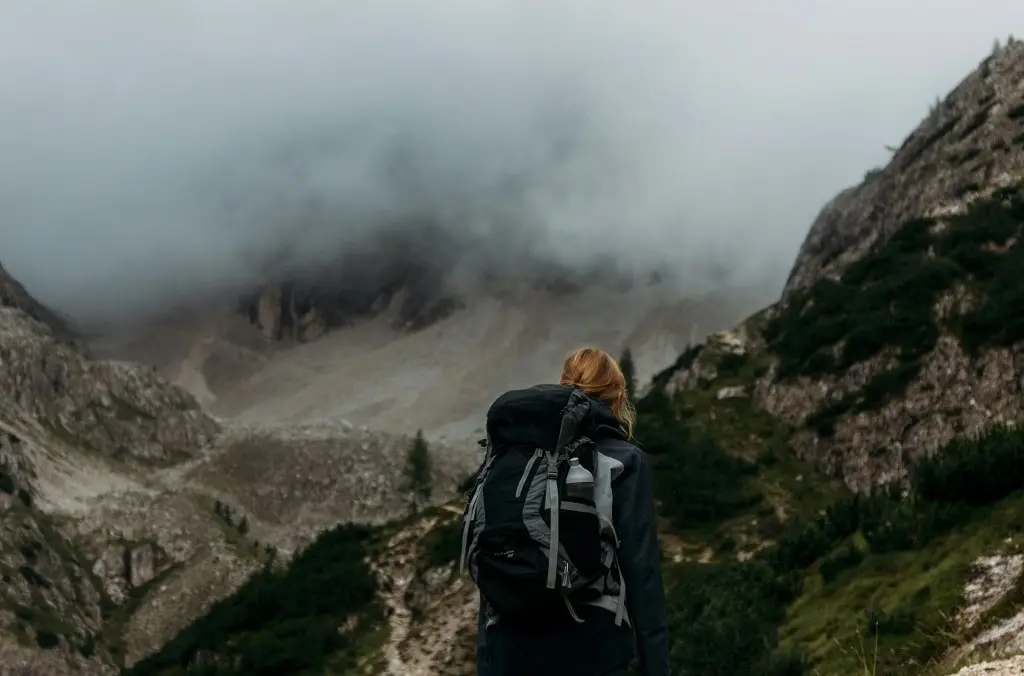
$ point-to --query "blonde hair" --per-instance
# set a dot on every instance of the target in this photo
(598, 374)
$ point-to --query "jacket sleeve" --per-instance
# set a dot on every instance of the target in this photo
(640, 564)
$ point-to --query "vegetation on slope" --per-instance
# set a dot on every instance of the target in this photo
(844, 577)
(772, 571)
(887, 567)
(885, 303)
(725, 474)
(282, 622)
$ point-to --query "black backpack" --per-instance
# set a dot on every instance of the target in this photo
(534, 488)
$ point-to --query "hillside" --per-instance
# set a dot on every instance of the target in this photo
(123, 514)
(839, 476)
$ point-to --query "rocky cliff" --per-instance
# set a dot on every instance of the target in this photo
(126, 510)
(14, 295)
(897, 329)
(969, 143)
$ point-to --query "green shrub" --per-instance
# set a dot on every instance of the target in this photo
(47, 640)
(845, 558)
(442, 544)
(975, 471)
(900, 622)
(724, 618)
(730, 364)
(715, 606)
(698, 483)
(279, 622)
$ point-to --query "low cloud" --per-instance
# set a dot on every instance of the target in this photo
(163, 151)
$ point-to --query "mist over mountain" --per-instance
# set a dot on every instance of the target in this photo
(172, 151)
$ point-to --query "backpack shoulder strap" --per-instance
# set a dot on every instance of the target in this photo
(467, 517)
(576, 409)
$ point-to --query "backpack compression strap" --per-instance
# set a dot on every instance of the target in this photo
(576, 409)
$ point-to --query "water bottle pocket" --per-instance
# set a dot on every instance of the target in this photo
(581, 535)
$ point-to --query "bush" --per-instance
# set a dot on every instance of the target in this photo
(746, 601)
(279, 622)
(47, 640)
(724, 618)
(442, 544)
(697, 483)
(978, 471)
(845, 558)
(900, 622)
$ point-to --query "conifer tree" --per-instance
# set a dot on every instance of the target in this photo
(629, 371)
(418, 472)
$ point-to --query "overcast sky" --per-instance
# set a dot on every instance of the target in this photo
(157, 145)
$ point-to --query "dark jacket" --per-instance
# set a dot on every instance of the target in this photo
(597, 647)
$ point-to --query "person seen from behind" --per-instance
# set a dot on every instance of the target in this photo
(560, 468)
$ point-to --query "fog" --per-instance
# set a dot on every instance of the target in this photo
(160, 150)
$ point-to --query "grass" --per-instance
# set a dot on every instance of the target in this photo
(900, 601)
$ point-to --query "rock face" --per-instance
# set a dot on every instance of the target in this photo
(14, 295)
(115, 408)
(896, 329)
(126, 511)
(969, 141)
(304, 314)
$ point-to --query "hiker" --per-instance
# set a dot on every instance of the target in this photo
(560, 467)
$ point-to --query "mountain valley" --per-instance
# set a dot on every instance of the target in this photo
(840, 475)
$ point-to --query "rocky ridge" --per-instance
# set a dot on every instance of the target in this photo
(894, 332)
(122, 515)
(970, 142)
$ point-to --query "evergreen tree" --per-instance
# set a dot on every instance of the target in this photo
(243, 525)
(629, 371)
(418, 472)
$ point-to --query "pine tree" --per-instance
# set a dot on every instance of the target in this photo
(243, 525)
(418, 472)
(629, 371)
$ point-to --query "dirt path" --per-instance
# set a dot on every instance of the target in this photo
(395, 570)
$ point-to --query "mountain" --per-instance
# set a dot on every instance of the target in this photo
(838, 476)
(440, 377)
(126, 510)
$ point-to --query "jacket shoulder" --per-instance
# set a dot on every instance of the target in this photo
(628, 454)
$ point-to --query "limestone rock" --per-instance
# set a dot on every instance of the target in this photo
(116, 408)
(269, 310)
(967, 142)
